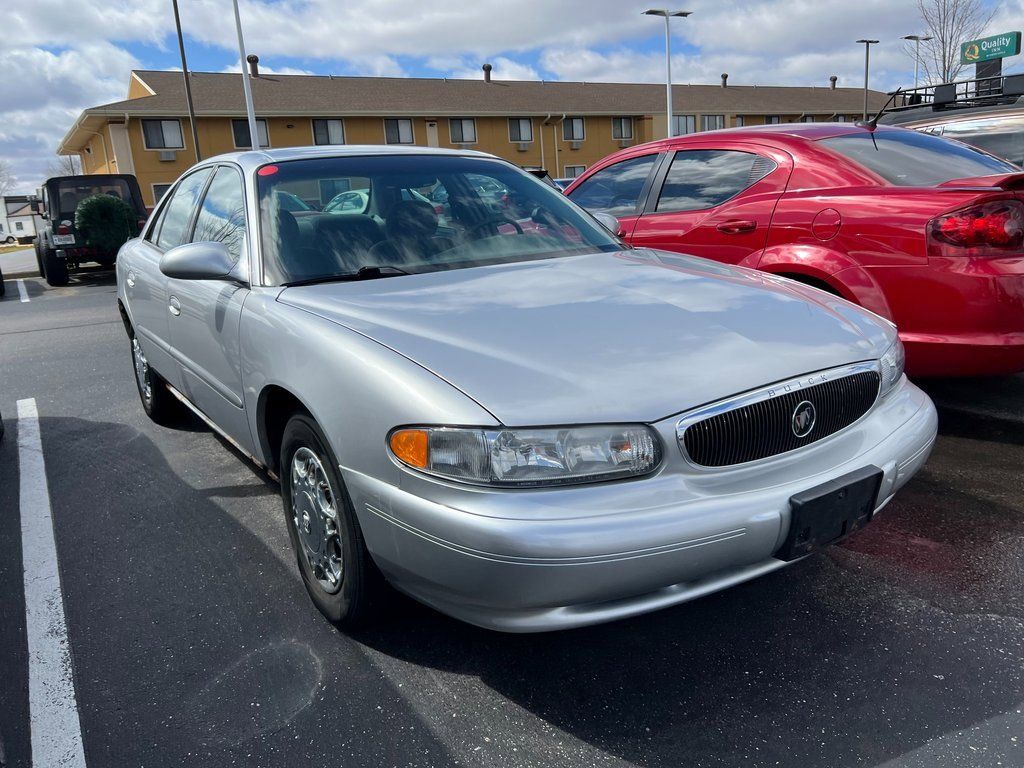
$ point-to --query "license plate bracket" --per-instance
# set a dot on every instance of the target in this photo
(63, 239)
(827, 513)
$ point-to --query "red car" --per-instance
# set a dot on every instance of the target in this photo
(924, 231)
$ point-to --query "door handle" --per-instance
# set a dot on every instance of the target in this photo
(174, 306)
(130, 279)
(737, 227)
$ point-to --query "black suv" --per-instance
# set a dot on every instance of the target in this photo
(987, 113)
(60, 247)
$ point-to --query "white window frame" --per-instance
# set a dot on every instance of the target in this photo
(161, 120)
(773, 119)
(19, 226)
(520, 120)
(739, 121)
(568, 175)
(328, 120)
(158, 197)
(583, 130)
(462, 124)
(687, 119)
(412, 130)
(620, 122)
(259, 121)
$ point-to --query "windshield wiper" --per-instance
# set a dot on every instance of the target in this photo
(363, 273)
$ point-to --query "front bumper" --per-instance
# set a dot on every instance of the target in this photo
(528, 561)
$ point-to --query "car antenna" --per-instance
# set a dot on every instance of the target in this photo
(873, 122)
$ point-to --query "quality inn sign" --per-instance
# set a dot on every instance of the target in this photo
(989, 48)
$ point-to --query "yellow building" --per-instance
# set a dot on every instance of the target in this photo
(560, 126)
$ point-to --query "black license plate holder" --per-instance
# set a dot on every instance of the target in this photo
(827, 513)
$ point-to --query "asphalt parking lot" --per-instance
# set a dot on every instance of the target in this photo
(192, 641)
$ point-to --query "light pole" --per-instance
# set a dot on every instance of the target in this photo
(254, 136)
(668, 57)
(867, 63)
(188, 86)
(918, 39)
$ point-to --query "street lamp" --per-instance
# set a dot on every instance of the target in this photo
(668, 56)
(867, 62)
(918, 39)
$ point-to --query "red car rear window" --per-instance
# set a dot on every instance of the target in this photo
(913, 159)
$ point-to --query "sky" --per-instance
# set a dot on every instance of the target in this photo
(58, 57)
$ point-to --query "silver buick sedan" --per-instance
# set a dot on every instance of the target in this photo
(491, 403)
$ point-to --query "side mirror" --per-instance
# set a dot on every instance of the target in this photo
(34, 204)
(610, 223)
(199, 261)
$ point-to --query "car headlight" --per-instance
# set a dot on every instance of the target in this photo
(529, 457)
(892, 366)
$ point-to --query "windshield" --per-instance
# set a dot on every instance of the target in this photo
(913, 159)
(412, 213)
(71, 192)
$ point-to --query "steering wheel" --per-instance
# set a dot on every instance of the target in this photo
(495, 222)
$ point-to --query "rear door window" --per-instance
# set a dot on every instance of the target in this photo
(178, 210)
(914, 159)
(617, 188)
(704, 178)
(222, 216)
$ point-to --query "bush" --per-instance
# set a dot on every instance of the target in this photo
(105, 222)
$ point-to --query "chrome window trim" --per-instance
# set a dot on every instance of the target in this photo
(767, 393)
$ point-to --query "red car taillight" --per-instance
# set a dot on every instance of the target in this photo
(992, 230)
(62, 230)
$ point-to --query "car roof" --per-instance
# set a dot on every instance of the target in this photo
(252, 159)
(787, 134)
(927, 115)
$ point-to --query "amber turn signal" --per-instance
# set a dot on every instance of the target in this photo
(410, 446)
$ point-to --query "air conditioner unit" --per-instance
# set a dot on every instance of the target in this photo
(575, 144)
(167, 155)
(522, 146)
(625, 142)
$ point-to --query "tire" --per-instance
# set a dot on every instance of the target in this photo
(10, 240)
(3, 288)
(39, 259)
(56, 269)
(353, 599)
(157, 401)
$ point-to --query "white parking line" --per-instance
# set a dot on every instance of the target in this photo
(53, 708)
(21, 291)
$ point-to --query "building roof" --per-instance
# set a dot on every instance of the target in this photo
(217, 93)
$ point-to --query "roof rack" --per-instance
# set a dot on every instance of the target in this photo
(979, 92)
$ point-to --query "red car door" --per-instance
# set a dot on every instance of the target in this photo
(619, 188)
(714, 201)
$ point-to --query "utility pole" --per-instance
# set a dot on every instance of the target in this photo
(668, 58)
(867, 64)
(254, 137)
(188, 84)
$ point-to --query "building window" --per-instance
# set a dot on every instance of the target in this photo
(807, 119)
(572, 171)
(19, 226)
(773, 120)
(328, 132)
(240, 129)
(162, 134)
(712, 122)
(463, 130)
(840, 118)
(159, 190)
(738, 121)
(622, 127)
(572, 130)
(398, 131)
(683, 124)
(520, 129)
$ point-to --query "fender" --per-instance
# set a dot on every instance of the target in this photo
(827, 265)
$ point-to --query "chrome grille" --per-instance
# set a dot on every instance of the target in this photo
(761, 425)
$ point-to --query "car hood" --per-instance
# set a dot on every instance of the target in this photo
(605, 337)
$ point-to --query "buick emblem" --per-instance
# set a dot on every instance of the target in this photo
(804, 417)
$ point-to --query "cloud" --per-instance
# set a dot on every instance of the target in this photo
(503, 68)
(43, 93)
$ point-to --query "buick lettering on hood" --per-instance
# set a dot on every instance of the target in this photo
(471, 390)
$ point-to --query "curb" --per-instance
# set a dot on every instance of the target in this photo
(19, 275)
